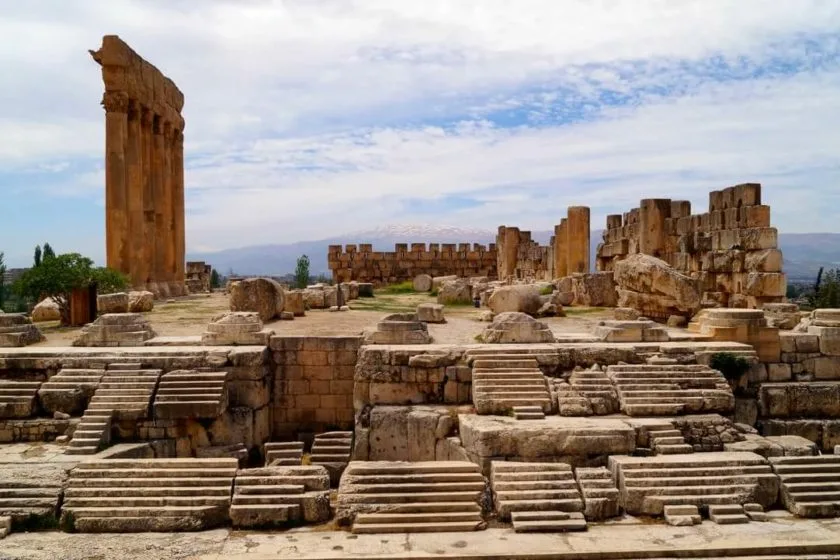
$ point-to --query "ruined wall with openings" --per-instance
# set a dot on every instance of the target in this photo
(362, 264)
(519, 256)
(731, 250)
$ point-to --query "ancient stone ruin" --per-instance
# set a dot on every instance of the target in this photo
(144, 170)
(198, 276)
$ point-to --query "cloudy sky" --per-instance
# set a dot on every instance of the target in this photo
(310, 118)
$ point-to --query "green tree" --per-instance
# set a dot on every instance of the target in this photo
(37, 258)
(59, 275)
(48, 252)
(2, 280)
(827, 291)
(302, 272)
(215, 280)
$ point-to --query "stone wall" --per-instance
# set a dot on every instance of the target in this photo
(313, 384)
(731, 250)
(35, 429)
(198, 276)
(144, 170)
(361, 263)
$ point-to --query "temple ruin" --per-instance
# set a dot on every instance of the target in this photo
(144, 170)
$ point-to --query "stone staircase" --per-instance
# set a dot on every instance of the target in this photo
(139, 495)
(92, 433)
(5, 525)
(283, 453)
(648, 484)
(537, 496)
(332, 450)
(728, 514)
(191, 394)
(397, 497)
(810, 485)
(682, 516)
(276, 496)
(17, 398)
(668, 441)
(69, 390)
(670, 390)
(21, 501)
(596, 387)
(601, 499)
(528, 413)
(503, 381)
(126, 389)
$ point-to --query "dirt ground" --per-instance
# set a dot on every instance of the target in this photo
(188, 316)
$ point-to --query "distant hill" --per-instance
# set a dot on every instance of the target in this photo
(804, 253)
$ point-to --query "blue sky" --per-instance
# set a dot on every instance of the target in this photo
(312, 118)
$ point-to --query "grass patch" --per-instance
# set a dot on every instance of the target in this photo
(546, 290)
(582, 310)
(384, 304)
(406, 287)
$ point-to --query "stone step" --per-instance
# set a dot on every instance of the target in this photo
(510, 467)
(553, 522)
(140, 484)
(682, 515)
(673, 449)
(407, 488)
(335, 435)
(820, 496)
(207, 464)
(139, 512)
(146, 501)
(529, 415)
(655, 434)
(806, 461)
(652, 409)
(428, 478)
(671, 440)
(802, 487)
(723, 469)
(486, 363)
(122, 366)
(422, 517)
(376, 469)
(541, 484)
(249, 515)
(265, 499)
(207, 473)
(397, 498)
(284, 489)
(412, 527)
(147, 491)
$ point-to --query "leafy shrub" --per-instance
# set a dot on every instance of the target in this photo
(731, 366)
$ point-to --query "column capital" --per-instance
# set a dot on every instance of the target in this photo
(115, 101)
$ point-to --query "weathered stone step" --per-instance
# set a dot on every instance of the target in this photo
(139, 512)
(406, 488)
(265, 499)
(390, 498)
(208, 463)
(411, 527)
(540, 484)
(671, 440)
(485, 363)
(285, 489)
(552, 524)
(673, 449)
(207, 473)
(654, 469)
(145, 491)
(652, 409)
(424, 517)
(141, 483)
(374, 469)
(146, 501)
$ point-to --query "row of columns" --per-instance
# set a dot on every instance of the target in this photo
(144, 196)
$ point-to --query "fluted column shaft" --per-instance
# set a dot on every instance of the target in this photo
(178, 205)
(134, 164)
(116, 197)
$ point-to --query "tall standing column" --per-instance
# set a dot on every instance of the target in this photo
(165, 204)
(158, 186)
(134, 164)
(146, 255)
(178, 209)
(561, 268)
(577, 235)
(116, 199)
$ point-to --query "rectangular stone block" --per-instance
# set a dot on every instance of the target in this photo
(827, 368)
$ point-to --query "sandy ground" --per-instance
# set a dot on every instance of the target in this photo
(189, 316)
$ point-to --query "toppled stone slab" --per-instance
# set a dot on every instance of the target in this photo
(295, 303)
(46, 310)
(573, 440)
(430, 313)
(236, 328)
(640, 330)
(116, 329)
(522, 298)
(141, 301)
(653, 287)
(400, 328)
(455, 292)
(516, 327)
(261, 295)
(784, 316)
(17, 330)
(794, 446)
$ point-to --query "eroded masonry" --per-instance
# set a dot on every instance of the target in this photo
(144, 170)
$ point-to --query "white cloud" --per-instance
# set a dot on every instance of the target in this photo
(312, 117)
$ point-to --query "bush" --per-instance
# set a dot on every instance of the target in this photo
(406, 287)
(731, 366)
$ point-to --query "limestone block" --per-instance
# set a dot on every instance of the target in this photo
(388, 433)
(422, 435)
(523, 298)
(112, 303)
(236, 328)
(400, 328)
(827, 367)
(648, 275)
(261, 295)
(800, 400)
(17, 330)
(294, 303)
(625, 314)
(46, 310)
(779, 372)
(439, 281)
(794, 446)
(829, 339)
(314, 298)
(430, 313)
(455, 292)
(757, 444)
(422, 283)
(767, 260)
(513, 327)
(116, 329)
(141, 301)
(765, 284)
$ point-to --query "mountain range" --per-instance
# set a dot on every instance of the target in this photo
(804, 253)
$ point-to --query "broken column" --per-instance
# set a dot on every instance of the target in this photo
(577, 240)
(561, 254)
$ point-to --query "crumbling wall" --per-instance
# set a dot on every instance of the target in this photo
(198, 276)
(521, 257)
(731, 250)
(362, 264)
